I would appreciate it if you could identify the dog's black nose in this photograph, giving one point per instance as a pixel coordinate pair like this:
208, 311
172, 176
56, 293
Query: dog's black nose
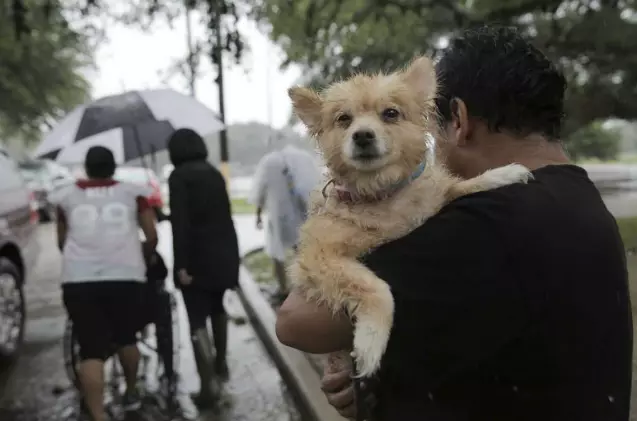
363, 138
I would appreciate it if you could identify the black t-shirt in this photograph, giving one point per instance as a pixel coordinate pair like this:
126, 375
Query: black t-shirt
511, 305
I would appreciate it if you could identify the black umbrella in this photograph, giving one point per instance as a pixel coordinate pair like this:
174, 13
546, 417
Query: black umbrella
132, 125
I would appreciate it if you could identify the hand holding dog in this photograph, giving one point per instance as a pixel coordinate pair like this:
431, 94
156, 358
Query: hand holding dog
338, 387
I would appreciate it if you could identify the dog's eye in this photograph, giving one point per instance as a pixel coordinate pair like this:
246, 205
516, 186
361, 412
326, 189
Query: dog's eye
390, 114
344, 119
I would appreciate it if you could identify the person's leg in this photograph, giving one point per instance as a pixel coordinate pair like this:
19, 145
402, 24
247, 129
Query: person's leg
219, 321
129, 357
128, 316
91, 377
91, 328
196, 303
280, 274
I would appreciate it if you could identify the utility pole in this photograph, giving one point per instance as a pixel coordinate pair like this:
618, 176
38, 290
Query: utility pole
192, 76
223, 135
269, 96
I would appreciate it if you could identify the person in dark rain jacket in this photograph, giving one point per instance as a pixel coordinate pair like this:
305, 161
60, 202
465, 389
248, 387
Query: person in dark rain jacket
206, 253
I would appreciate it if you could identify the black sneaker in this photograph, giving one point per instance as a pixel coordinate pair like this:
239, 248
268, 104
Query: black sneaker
131, 401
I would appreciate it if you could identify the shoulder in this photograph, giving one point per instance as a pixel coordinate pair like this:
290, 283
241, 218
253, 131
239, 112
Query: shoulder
271, 159
132, 189
177, 174
463, 218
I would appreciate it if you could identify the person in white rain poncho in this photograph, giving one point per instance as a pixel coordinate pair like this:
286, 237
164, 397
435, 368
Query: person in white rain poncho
282, 185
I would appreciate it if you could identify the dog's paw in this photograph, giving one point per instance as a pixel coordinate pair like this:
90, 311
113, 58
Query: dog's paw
370, 342
503, 176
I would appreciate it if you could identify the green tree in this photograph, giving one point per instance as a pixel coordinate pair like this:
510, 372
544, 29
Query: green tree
40, 77
220, 17
594, 141
593, 41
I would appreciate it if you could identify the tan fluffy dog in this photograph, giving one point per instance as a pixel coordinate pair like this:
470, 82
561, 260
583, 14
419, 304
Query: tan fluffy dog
372, 131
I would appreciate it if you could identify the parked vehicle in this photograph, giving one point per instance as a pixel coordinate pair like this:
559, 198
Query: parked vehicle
19, 249
43, 177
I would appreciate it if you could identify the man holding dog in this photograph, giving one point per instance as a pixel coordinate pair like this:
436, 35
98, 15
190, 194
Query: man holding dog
511, 304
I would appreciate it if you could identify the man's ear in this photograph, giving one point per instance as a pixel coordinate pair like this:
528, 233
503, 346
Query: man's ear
421, 76
307, 105
461, 121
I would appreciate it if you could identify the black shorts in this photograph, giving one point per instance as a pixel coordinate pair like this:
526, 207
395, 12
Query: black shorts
106, 315
201, 304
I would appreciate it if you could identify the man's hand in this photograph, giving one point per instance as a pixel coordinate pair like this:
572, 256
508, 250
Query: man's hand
184, 277
339, 390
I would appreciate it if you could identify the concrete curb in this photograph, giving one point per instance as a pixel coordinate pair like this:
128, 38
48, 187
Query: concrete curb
296, 370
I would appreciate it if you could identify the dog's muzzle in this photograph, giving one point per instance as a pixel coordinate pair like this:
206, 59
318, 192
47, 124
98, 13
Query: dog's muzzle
365, 145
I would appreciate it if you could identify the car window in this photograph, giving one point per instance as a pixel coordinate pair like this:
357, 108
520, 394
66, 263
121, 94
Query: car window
30, 175
10, 177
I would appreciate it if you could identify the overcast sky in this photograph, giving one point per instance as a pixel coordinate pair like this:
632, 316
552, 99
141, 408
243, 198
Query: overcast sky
131, 59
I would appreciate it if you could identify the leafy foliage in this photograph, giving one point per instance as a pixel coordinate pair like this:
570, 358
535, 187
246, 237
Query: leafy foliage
594, 141
593, 40
30, 20
39, 72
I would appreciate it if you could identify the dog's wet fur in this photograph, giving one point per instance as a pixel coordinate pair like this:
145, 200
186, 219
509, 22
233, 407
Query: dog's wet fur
372, 132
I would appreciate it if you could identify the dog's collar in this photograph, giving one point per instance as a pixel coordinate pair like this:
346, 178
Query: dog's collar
345, 195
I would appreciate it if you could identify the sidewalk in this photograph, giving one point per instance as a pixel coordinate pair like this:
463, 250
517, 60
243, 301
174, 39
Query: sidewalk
255, 390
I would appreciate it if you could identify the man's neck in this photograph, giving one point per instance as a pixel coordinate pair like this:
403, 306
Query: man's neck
533, 152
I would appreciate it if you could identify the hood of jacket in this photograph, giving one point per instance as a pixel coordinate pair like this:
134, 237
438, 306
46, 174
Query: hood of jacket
185, 145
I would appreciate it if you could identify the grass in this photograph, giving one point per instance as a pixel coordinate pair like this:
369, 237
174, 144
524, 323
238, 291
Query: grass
260, 267
628, 230
626, 158
241, 206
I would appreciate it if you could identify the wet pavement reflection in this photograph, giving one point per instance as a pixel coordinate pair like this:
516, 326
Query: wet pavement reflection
36, 388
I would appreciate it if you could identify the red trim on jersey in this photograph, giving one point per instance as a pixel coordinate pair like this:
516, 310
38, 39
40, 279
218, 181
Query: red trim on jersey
142, 204
85, 184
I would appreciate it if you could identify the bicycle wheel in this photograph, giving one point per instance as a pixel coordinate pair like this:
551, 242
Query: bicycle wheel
71, 353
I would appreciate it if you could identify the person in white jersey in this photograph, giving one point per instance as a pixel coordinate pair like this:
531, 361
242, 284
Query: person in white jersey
103, 272
283, 181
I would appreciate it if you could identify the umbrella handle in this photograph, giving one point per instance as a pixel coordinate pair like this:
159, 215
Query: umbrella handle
142, 156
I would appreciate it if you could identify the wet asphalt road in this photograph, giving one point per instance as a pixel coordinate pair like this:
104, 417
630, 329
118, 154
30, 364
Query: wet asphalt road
37, 388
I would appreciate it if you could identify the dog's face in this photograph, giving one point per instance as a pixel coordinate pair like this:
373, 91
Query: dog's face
371, 125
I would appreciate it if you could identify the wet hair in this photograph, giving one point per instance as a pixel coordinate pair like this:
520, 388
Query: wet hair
99, 162
504, 81
186, 145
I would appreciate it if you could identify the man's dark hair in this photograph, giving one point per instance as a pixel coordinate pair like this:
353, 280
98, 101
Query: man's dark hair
99, 162
504, 81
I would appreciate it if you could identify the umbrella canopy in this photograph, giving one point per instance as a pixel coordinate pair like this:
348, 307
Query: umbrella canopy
131, 124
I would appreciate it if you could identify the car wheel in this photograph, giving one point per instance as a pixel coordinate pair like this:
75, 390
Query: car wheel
12, 310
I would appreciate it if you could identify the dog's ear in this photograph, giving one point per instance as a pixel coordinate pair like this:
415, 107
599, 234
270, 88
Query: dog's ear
421, 76
307, 104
